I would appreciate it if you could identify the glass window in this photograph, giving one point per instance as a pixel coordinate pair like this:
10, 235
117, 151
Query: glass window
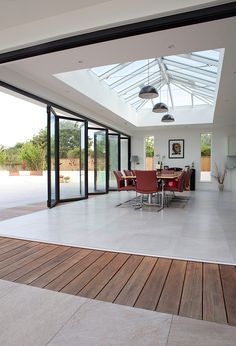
205, 147
149, 150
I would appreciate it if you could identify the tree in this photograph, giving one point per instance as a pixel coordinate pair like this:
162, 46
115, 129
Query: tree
33, 155
69, 135
149, 145
13, 155
206, 144
2, 155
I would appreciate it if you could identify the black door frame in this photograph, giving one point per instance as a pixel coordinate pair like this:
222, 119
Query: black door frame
57, 155
107, 159
50, 203
118, 158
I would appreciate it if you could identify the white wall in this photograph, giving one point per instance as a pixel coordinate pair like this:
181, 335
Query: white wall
191, 136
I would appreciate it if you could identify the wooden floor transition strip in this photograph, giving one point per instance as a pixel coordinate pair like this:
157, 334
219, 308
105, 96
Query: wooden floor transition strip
197, 290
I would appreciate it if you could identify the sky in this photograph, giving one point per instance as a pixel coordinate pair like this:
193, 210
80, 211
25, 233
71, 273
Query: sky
19, 119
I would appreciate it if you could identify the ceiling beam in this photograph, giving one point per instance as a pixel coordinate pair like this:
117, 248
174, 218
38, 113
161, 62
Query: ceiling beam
205, 91
140, 70
199, 58
190, 68
191, 78
188, 90
107, 74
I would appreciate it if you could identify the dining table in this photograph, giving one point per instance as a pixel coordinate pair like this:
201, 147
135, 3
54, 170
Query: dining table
163, 178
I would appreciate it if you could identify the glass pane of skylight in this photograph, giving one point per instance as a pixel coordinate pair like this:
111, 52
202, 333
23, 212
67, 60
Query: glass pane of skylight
128, 78
197, 101
180, 96
210, 54
199, 75
102, 69
184, 60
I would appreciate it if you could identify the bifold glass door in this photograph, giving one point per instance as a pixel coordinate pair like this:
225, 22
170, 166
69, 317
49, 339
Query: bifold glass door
67, 164
114, 159
52, 159
97, 161
124, 153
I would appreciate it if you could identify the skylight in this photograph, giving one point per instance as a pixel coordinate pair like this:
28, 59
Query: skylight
181, 80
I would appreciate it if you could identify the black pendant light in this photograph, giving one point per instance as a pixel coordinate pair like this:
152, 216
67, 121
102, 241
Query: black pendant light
167, 118
160, 108
148, 91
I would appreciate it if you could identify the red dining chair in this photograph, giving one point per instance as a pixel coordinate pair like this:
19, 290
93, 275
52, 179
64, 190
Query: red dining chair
121, 186
176, 185
129, 173
187, 180
146, 184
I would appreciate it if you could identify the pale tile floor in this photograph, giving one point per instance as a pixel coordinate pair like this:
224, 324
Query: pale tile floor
204, 230
33, 316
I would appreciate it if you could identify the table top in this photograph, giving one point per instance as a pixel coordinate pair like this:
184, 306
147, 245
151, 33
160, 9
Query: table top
159, 176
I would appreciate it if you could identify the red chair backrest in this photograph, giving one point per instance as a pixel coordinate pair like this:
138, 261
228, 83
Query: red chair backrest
146, 181
181, 181
120, 181
187, 179
129, 173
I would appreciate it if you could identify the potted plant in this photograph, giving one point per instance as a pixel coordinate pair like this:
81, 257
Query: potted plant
66, 179
220, 177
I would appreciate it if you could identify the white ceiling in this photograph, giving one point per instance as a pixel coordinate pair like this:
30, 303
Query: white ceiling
27, 22
36, 74
31, 11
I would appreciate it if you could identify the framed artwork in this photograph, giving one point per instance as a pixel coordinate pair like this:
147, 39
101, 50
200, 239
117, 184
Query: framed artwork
176, 148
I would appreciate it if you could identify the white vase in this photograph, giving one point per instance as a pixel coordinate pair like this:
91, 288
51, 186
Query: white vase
221, 187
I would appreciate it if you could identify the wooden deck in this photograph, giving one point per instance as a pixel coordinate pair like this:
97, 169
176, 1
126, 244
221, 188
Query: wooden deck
9, 213
191, 289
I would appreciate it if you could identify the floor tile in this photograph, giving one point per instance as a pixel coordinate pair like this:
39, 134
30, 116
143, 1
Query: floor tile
32, 316
187, 331
99, 324
204, 230
6, 287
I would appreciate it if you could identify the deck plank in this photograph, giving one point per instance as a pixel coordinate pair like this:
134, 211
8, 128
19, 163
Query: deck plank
213, 300
228, 277
43, 265
171, 294
60, 268
42, 250
19, 252
116, 284
132, 289
191, 302
20, 255
151, 292
33, 265
191, 289
10, 246
4, 240
85, 277
93, 288
65, 278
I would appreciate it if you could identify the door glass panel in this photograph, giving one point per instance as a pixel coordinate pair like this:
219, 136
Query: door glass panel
113, 159
52, 180
124, 152
82, 171
96, 161
52, 158
71, 159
